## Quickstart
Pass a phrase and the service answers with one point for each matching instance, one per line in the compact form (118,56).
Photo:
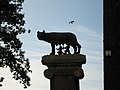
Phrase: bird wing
(71,22)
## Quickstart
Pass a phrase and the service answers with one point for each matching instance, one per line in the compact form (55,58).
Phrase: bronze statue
(60,50)
(67,49)
(57,38)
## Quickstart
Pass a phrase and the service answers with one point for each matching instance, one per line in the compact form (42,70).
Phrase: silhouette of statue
(60,52)
(67,49)
(55,38)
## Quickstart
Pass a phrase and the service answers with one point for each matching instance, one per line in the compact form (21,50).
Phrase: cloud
(86,31)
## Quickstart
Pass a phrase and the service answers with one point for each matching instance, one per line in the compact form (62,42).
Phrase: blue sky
(54,15)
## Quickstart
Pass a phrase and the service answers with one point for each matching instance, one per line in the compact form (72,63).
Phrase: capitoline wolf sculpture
(58,38)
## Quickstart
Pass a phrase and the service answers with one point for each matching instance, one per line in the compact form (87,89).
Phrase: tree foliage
(11,55)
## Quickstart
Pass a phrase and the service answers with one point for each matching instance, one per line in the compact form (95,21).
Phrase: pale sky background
(54,15)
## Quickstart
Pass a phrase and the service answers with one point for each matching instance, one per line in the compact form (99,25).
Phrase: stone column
(64,71)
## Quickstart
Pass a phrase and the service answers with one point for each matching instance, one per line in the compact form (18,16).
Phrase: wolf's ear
(37,31)
(43,31)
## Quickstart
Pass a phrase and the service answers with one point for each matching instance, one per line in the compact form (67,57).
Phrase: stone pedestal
(64,71)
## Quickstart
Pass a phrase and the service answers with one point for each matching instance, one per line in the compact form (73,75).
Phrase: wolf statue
(58,38)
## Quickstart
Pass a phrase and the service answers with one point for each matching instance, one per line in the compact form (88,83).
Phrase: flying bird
(71,22)
(29,31)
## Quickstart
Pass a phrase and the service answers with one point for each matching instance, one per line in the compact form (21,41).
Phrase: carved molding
(73,70)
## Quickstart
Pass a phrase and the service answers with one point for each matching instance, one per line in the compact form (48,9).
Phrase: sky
(54,16)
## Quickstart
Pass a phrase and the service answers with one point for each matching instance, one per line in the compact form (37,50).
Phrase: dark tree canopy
(11,55)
